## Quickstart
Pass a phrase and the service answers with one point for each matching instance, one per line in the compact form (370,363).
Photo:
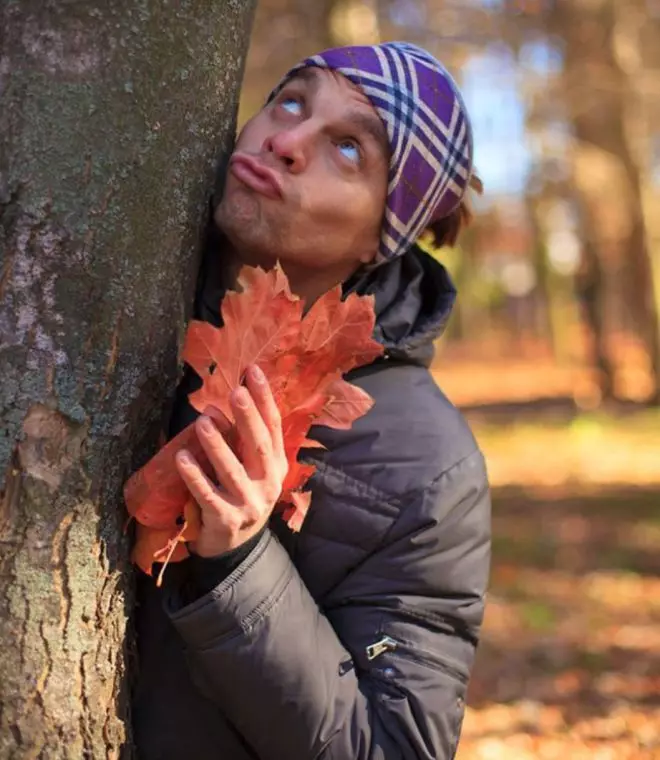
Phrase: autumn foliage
(303,355)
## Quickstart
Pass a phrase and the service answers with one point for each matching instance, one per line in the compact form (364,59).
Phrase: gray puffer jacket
(354,639)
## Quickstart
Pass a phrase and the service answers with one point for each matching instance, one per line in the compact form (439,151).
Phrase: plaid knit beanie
(429,132)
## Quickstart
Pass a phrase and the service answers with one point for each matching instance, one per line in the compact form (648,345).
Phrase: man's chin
(244,248)
(253,258)
(240,219)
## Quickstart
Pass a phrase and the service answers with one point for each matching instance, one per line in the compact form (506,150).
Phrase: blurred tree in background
(562,267)
(552,350)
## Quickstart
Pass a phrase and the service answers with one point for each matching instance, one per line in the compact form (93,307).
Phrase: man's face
(307,182)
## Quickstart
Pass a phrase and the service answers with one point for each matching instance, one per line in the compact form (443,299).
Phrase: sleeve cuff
(239,601)
(208,572)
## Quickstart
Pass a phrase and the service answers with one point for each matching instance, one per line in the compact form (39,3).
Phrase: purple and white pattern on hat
(427,127)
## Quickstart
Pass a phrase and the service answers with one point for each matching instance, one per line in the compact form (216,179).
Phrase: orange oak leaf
(345,403)
(149,543)
(155,494)
(304,357)
(168,544)
(260,325)
(159,501)
(340,331)
(294,513)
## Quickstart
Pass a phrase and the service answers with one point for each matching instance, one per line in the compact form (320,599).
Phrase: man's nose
(292,146)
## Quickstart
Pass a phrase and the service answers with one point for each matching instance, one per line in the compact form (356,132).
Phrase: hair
(446,231)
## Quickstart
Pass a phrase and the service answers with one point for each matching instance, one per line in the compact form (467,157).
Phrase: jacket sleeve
(381,675)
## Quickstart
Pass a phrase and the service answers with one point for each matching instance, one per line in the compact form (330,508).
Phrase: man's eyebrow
(309,75)
(372,125)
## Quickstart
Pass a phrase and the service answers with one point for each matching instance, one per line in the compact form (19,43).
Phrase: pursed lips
(255,175)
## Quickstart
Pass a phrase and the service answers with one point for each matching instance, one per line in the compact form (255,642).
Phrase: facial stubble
(257,234)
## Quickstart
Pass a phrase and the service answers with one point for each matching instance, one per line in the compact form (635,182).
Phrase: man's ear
(370,252)
(368,257)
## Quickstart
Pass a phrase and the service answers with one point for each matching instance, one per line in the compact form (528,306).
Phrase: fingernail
(257,374)
(207,425)
(240,398)
(183,457)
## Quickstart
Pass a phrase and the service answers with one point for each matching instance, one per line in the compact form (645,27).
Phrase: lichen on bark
(113,119)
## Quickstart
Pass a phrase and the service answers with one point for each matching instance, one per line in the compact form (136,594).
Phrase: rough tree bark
(112,118)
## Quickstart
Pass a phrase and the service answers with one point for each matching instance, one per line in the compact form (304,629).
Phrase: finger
(228,469)
(256,445)
(201,488)
(265,403)
(219,418)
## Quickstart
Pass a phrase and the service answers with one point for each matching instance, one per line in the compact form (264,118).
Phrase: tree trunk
(607,177)
(631,22)
(591,296)
(112,118)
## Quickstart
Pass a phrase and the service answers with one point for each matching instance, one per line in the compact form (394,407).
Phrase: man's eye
(350,150)
(291,105)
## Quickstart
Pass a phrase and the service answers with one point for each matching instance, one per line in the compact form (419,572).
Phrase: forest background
(553,350)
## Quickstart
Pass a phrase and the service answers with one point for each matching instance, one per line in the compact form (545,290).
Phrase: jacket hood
(414,296)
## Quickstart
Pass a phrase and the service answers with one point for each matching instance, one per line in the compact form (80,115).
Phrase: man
(354,639)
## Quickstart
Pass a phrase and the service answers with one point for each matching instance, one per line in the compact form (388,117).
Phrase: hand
(239,507)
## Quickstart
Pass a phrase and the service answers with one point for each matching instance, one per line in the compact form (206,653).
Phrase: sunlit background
(553,350)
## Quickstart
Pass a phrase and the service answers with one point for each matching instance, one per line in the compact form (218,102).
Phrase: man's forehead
(313,76)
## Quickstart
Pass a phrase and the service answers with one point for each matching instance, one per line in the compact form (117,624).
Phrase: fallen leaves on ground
(590,449)
(499,367)
(569,665)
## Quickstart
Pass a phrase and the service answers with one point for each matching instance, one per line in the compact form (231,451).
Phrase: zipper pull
(386,644)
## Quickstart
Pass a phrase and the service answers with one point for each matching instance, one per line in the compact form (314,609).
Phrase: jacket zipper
(388,644)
